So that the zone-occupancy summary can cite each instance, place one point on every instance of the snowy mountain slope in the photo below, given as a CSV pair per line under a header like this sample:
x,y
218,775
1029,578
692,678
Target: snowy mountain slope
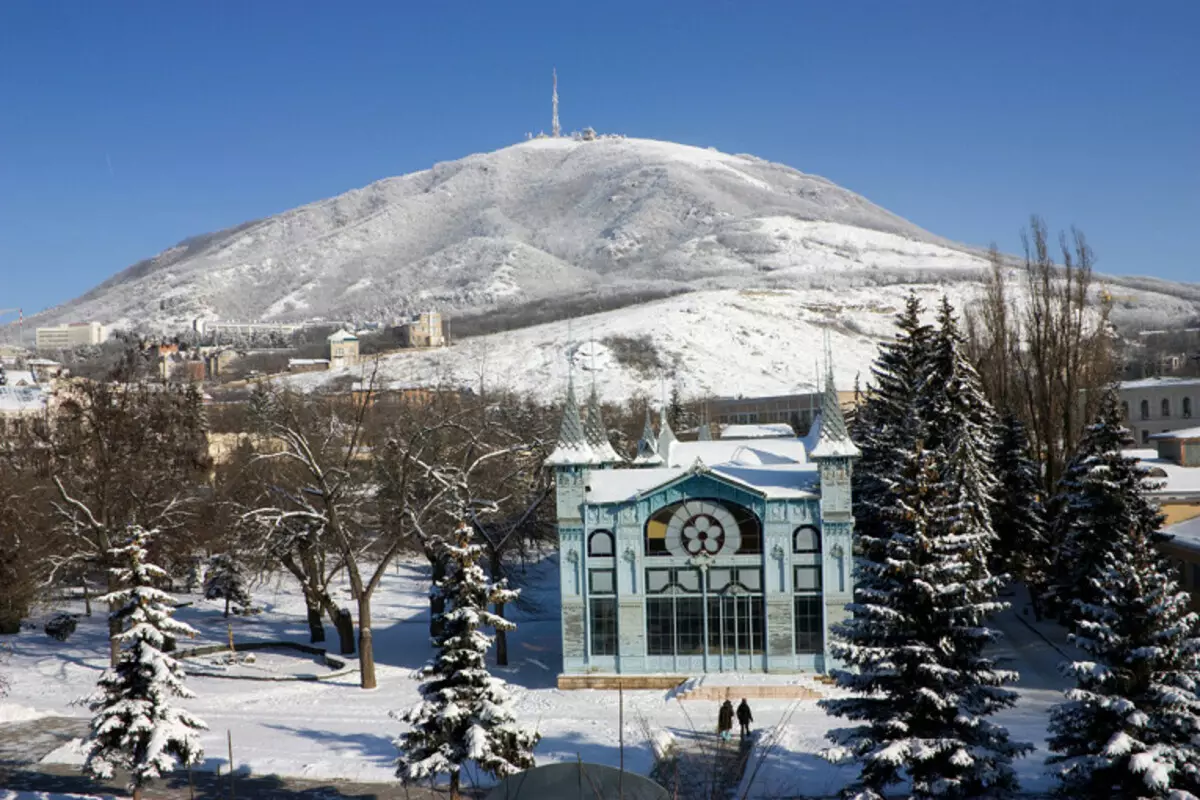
x,y
539,219
717,342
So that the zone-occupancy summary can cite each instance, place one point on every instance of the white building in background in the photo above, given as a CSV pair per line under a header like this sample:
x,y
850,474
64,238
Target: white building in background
x,y
1160,405
72,334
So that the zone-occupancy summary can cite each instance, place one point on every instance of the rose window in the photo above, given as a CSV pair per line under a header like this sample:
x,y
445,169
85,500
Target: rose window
x,y
702,528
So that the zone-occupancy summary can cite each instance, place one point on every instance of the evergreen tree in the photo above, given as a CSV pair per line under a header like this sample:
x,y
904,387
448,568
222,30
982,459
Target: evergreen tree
x,y
227,579
465,714
881,426
959,422
676,413
1017,517
921,687
1130,727
1101,500
135,726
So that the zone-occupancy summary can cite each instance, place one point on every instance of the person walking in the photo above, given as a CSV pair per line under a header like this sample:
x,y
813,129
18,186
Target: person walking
x,y
744,717
725,721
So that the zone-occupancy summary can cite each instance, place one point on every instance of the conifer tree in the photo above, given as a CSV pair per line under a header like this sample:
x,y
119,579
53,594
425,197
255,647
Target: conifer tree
x,y
135,726
226,579
959,422
1130,727
1101,500
921,687
880,427
1017,516
465,714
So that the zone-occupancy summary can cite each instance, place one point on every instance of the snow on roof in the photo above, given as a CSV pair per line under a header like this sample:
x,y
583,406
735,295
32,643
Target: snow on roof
x,y
1176,480
749,453
20,377
774,430
1186,533
306,362
41,362
795,481
21,399
1158,383
342,336
1186,433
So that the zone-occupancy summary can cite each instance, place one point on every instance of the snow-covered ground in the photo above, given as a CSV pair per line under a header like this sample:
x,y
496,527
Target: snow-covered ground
x,y
336,730
774,337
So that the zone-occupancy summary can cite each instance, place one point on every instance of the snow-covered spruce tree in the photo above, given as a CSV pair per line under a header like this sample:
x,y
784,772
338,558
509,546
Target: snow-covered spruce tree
x,y
959,422
922,689
1101,500
135,725
1021,549
880,427
226,578
465,714
1130,727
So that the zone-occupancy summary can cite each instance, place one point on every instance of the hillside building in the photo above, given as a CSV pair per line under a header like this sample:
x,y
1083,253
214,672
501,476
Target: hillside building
x,y
1159,405
70,335
707,556
423,330
343,349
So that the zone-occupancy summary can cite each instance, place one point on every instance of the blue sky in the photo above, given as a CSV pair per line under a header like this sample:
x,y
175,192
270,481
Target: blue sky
x,y
128,126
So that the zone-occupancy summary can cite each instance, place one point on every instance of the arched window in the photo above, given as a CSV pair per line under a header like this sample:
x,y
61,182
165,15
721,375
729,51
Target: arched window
x,y
1145,409
1187,407
806,540
600,543
1166,407
703,526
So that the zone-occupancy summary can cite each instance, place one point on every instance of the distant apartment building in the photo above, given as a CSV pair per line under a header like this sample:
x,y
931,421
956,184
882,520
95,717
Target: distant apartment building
x,y
1159,405
796,410
343,349
229,330
73,334
423,330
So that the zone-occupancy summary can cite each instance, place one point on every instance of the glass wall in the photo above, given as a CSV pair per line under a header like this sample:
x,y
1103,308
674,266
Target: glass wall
x,y
602,611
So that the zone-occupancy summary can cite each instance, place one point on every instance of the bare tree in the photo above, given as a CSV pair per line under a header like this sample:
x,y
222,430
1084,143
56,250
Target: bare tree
x,y
1045,356
122,454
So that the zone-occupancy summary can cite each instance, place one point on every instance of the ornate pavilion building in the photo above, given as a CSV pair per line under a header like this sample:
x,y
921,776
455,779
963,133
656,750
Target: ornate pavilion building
x,y
706,556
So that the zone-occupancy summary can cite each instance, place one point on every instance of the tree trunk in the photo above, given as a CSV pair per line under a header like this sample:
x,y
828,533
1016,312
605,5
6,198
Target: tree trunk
x,y
454,795
366,649
87,599
345,629
226,605
316,630
114,630
437,601
501,635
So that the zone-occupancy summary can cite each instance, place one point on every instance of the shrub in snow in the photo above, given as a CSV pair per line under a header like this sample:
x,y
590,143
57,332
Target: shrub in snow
x,y
60,626
226,579
1131,726
465,714
1101,501
135,726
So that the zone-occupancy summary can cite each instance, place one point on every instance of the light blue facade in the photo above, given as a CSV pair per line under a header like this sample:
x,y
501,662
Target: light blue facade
x,y
634,605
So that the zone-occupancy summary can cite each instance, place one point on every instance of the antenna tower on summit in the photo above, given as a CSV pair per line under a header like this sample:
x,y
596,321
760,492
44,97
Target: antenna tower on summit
x,y
554,130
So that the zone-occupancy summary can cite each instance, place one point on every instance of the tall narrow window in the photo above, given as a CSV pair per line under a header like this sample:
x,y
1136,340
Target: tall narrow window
x,y
1166,407
1187,407
810,628
1145,409
602,605
1125,409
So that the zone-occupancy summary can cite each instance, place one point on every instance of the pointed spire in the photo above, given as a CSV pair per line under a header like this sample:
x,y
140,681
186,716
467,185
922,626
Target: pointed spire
x,y
666,437
572,447
833,441
597,432
647,447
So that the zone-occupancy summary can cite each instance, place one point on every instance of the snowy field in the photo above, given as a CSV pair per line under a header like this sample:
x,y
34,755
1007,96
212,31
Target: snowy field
x,y
334,730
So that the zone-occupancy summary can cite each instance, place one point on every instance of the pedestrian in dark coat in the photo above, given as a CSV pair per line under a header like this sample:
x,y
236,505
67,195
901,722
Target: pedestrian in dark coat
x,y
725,720
744,717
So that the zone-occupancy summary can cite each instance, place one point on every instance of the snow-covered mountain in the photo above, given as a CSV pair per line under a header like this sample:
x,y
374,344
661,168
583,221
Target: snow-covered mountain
x,y
540,219
771,257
